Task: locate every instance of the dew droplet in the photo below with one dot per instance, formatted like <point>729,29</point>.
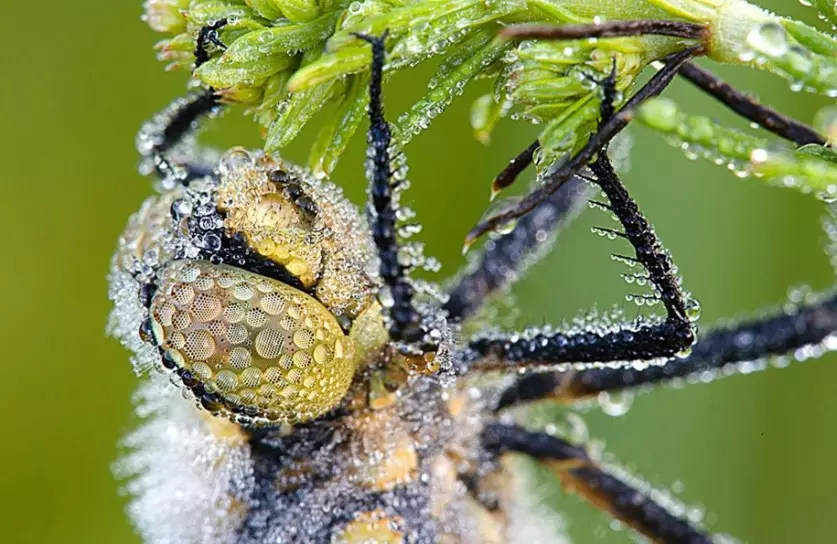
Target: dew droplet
<point>615,404</point>
<point>768,39</point>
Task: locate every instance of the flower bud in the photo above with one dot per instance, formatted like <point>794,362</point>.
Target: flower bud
<point>165,15</point>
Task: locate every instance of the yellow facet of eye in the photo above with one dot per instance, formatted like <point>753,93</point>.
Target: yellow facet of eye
<point>275,227</point>
<point>256,349</point>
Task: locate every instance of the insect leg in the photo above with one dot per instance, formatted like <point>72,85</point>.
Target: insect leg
<point>206,35</point>
<point>581,474</point>
<point>503,261</point>
<point>795,328</point>
<point>647,341</point>
<point>749,108</point>
<point>159,137</point>
<point>607,29</point>
<point>606,132</point>
<point>405,318</point>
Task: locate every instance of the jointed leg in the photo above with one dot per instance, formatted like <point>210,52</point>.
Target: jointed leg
<point>207,35</point>
<point>168,128</point>
<point>607,29</point>
<point>405,318</point>
<point>646,341</point>
<point>503,260</point>
<point>582,475</point>
<point>750,109</point>
<point>606,132</point>
<point>783,333</point>
<point>159,136</point>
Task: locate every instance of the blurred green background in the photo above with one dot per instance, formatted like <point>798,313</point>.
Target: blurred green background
<point>79,77</point>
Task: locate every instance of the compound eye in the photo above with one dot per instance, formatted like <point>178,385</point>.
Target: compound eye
<point>251,348</point>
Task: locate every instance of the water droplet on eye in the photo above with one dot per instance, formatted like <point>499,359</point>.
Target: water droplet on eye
<point>182,207</point>
<point>235,159</point>
<point>615,404</point>
<point>212,242</point>
<point>769,39</point>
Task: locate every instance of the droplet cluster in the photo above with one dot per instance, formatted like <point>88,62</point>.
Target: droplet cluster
<point>302,223</point>
<point>250,346</point>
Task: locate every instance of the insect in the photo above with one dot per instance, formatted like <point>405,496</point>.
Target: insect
<point>328,397</point>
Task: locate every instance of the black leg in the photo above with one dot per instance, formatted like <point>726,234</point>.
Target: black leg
<point>517,165</point>
<point>582,475</point>
<point>646,341</point>
<point>783,333</point>
<point>602,137</point>
<point>607,29</point>
<point>405,325</point>
<point>208,34</point>
<point>505,259</point>
<point>169,127</point>
<point>751,109</point>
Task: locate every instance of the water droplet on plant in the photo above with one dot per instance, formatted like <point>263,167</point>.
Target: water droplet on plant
<point>769,39</point>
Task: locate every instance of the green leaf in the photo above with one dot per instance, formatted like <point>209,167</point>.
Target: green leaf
<point>804,169</point>
<point>293,114</point>
<point>698,136</point>
<point>811,38</point>
<point>694,10</point>
<point>485,113</point>
<point>265,8</point>
<point>224,72</point>
<point>348,60</point>
<point>554,10</point>
<point>567,132</point>
<point>287,37</point>
<point>828,10</point>
<point>439,97</point>
<point>811,169</point>
<point>820,152</point>
<point>336,133</point>
<point>275,91</point>
<point>774,49</point>
<point>208,11</point>
<point>298,11</point>
<point>402,20</point>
